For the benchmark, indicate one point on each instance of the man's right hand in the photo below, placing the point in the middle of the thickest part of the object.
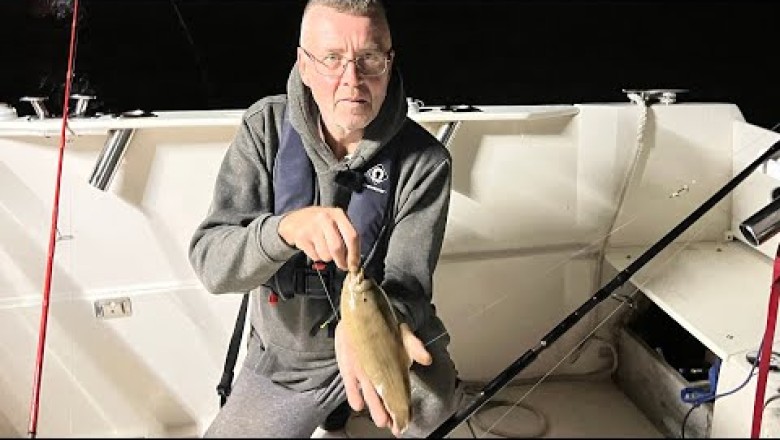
(323, 234)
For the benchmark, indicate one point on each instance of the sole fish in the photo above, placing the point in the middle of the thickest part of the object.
(373, 326)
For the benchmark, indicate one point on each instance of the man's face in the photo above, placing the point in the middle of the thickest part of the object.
(349, 101)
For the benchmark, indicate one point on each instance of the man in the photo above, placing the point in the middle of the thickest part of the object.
(331, 172)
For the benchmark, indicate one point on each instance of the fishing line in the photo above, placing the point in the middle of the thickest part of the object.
(202, 71)
(330, 300)
(584, 250)
(591, 245)
(656, 272)
(668, 238)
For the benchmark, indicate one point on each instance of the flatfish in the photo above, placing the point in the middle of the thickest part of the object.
(373, 326)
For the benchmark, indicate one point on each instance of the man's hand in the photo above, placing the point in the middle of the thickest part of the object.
(358, 386)
(323, 234)
(414, 347)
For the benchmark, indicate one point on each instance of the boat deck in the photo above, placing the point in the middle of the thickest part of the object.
(569, 409)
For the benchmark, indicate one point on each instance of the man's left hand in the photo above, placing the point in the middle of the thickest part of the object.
(358, 386)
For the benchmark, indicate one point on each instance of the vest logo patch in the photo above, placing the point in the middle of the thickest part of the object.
(376, 175)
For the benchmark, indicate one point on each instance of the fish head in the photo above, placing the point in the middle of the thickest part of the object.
(357, 288)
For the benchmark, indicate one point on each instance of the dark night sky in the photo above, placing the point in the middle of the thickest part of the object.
(228, 53)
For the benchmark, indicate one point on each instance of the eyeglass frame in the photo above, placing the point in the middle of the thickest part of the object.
(345, 61)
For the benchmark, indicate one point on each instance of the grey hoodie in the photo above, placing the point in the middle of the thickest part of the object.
(237, 246)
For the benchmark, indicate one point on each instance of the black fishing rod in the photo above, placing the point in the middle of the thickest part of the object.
(503, 378)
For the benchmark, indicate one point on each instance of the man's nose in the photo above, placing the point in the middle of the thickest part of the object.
(351, 75)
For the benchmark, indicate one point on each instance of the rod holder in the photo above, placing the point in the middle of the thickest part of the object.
(82, 102)
(37, 105)
(447, 132)
(762, 225)
(664, 96)
(110, 157)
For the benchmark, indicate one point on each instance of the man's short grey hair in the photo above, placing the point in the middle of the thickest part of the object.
(363, 8)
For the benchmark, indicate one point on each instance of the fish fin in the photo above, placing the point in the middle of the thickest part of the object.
(396, 419)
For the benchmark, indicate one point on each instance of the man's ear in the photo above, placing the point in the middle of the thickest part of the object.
(392, 59)
(302, 67)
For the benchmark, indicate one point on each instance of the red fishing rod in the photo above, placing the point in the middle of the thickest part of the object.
(35, 403)
(505, 376)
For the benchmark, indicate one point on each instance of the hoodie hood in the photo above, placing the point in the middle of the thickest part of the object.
(305, 115)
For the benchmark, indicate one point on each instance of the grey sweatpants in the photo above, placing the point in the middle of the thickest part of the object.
(258, 407)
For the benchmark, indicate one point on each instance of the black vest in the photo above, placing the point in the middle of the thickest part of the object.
(295, 187)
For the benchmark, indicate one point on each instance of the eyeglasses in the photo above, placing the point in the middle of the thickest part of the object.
(371, 63)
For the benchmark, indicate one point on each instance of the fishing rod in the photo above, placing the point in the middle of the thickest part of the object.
(505, 376)
(36, 394)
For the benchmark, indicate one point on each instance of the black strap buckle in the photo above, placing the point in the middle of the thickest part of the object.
(301, 277)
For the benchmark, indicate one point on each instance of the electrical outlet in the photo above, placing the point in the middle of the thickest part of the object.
(113, 308)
